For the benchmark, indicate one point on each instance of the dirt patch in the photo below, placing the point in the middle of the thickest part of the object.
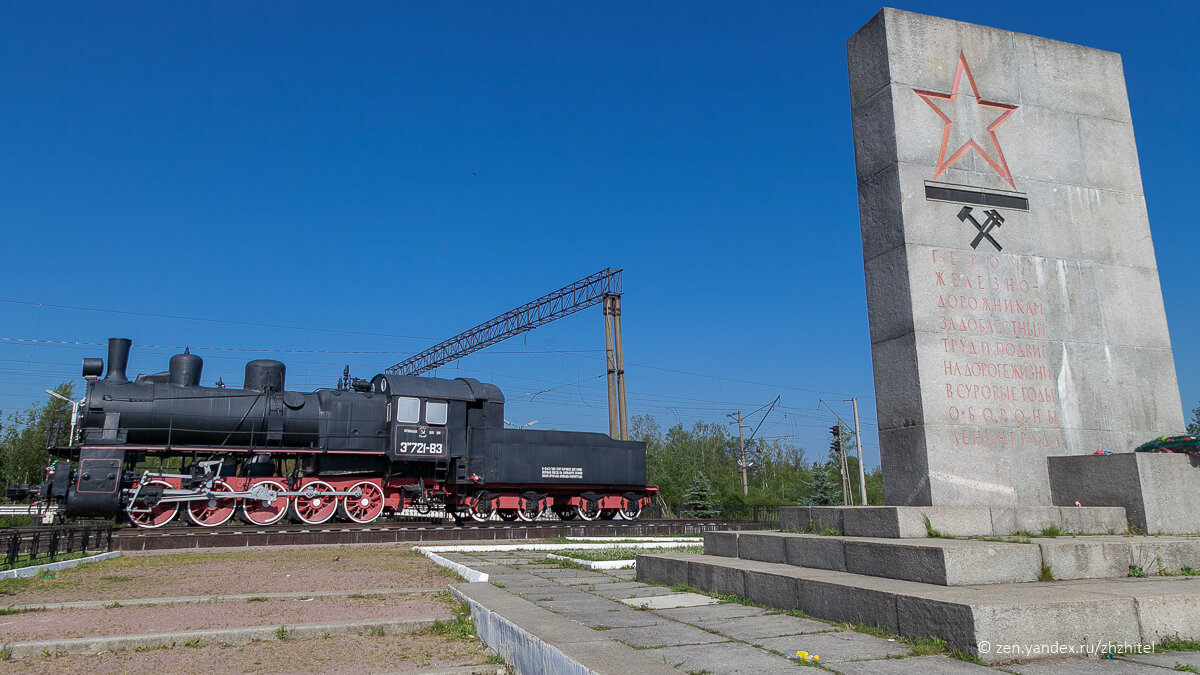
(337, 655)
(232, 571)
(49, 625)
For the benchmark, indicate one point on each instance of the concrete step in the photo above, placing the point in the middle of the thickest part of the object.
(981, 620)
(909, 522)
(965, 562)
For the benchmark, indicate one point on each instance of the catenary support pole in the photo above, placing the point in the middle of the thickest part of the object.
(614, 430)
(622, 410)
(862, 472)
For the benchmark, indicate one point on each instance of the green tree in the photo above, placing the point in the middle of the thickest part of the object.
(23, 455)
(1193, 427)
(698, 500)
(825, 490)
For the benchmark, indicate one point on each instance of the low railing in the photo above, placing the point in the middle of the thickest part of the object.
(36, 545)
(766, 514)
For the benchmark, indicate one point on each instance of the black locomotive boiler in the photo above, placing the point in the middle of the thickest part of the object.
(359, 451)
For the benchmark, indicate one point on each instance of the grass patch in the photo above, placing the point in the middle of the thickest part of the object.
(1137, 571)
(1052, 531)
(1046, 574)
(256, 599)
(281, 633)
(461, 627)
(1174, 643)
(1185, 668)
(113, 605)
(1189, 571)
(923, 646)
(867, 629)
(623, 552)
(601, 627)
(28, 561)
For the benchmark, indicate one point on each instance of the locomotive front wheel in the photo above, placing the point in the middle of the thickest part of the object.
(158, 515)
(365, 508)
(213, 511)
(316, 505)
(587, 511)
(482, 510)
(261, 513)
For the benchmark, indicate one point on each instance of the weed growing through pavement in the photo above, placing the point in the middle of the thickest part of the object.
(1046, 574)
(1174, 643)
(281, 633)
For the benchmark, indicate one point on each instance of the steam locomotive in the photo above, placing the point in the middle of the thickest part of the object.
(163, 444)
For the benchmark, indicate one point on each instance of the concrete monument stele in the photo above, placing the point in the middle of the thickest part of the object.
(1015, 307)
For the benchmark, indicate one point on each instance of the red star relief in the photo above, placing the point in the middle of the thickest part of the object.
(973, 107)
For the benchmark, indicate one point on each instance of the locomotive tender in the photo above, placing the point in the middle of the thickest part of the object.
(362, 450)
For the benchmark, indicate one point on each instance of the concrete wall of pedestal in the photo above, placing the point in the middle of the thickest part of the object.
(987, 361)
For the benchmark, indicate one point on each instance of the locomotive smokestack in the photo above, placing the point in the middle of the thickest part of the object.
(118, 357)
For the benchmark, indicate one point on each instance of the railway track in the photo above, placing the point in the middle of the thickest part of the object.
(134, 539)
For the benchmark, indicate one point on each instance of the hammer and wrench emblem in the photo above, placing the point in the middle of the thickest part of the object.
(994, 221)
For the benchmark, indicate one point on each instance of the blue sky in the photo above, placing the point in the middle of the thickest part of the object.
(330, 184)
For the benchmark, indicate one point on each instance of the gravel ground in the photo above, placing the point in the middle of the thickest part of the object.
(336, 655)
(49, 625)
(227, 571)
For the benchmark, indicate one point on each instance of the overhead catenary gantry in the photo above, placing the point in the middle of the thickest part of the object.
(601, 287)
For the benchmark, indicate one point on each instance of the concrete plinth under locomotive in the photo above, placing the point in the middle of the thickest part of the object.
(161, 444)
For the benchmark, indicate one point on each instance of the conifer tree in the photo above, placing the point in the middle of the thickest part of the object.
(825, 491)
(698, 499)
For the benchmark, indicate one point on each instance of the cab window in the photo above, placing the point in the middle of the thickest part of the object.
(436, 412)
(408, 410)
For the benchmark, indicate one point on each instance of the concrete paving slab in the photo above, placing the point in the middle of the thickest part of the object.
(926, 665)
(573, 607)
(663, 635)
(672, 601)
(1078, 667)
(1167, 659)
(755, 628)
(628, 618)
(725, 610)
(722, 658)
(623, 594)
(839, 646)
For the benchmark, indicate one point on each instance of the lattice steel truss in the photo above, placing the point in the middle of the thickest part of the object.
(565, 301)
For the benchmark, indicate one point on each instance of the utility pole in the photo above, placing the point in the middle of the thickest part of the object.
(742, 447)
(862, 472)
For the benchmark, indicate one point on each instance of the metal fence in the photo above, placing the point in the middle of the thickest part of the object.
(767, 515)
(36, 545)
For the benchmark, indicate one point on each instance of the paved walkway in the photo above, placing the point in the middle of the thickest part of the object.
(697, 634)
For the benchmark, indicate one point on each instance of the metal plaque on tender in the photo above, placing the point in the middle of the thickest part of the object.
(416, 441)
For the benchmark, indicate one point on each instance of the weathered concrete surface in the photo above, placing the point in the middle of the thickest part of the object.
(965, 562)
(909, 522)
(997, 347)
(1138, 611)
(535, 641)
(1160, 492)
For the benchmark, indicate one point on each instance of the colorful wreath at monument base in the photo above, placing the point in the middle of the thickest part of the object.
(1188, 445)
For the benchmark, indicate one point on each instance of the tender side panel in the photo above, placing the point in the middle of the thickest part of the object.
(530, 457)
